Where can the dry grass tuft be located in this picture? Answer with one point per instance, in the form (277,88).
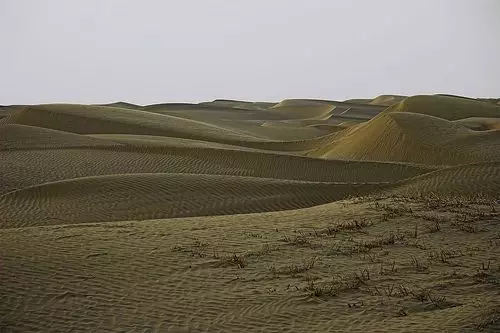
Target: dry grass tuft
(234,260)
(294,269)
(338,284)
(443,255)
(419,264)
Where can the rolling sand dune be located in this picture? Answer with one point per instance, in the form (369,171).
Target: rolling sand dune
(480,123)
(303,109)
(416,138)
(324,110)
(387,100)
(367,215)
(448,107)
(481,179)
(94,119)
(150,196)
(382,100)
(240,104)
(18,137)
(28,167)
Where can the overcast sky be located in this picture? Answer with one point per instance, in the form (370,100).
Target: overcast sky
(149,51)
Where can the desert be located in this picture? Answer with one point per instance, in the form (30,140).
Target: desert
(302,215)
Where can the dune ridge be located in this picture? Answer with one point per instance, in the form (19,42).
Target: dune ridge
(411,145)
(149,196)
(415,138)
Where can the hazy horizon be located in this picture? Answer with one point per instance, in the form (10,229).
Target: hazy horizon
(164,51)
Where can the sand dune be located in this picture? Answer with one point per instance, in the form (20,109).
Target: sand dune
(382,100)
(477,179)
(325,110)
(149,196)
(448,107)
(304,109)
(29,167)
(20,137)
(109,120)
(94,119)
(387,100)
(236,216)
(415,138)
(480,123)
(240,104)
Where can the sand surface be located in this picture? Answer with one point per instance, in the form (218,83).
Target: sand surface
(367,215)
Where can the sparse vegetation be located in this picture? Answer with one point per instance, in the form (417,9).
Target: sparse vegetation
(365,245)
(197,249)
(294,269)
(392,211)
(264,250)
(338,284)
(235,260)
(419,264)
(426,295)
(443,255)
(347,225)
(297,240)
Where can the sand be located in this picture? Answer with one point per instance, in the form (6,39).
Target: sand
(366,215)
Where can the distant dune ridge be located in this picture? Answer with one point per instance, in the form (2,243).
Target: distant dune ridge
(393,141)
(69,174)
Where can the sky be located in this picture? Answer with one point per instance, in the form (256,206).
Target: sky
(151,51)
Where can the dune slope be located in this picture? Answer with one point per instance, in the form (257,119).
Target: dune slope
(149,196)
(416,138)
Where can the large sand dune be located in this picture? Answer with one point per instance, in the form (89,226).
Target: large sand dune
(418,131)
(366,215)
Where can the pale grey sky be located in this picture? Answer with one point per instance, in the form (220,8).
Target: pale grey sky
(150,51)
